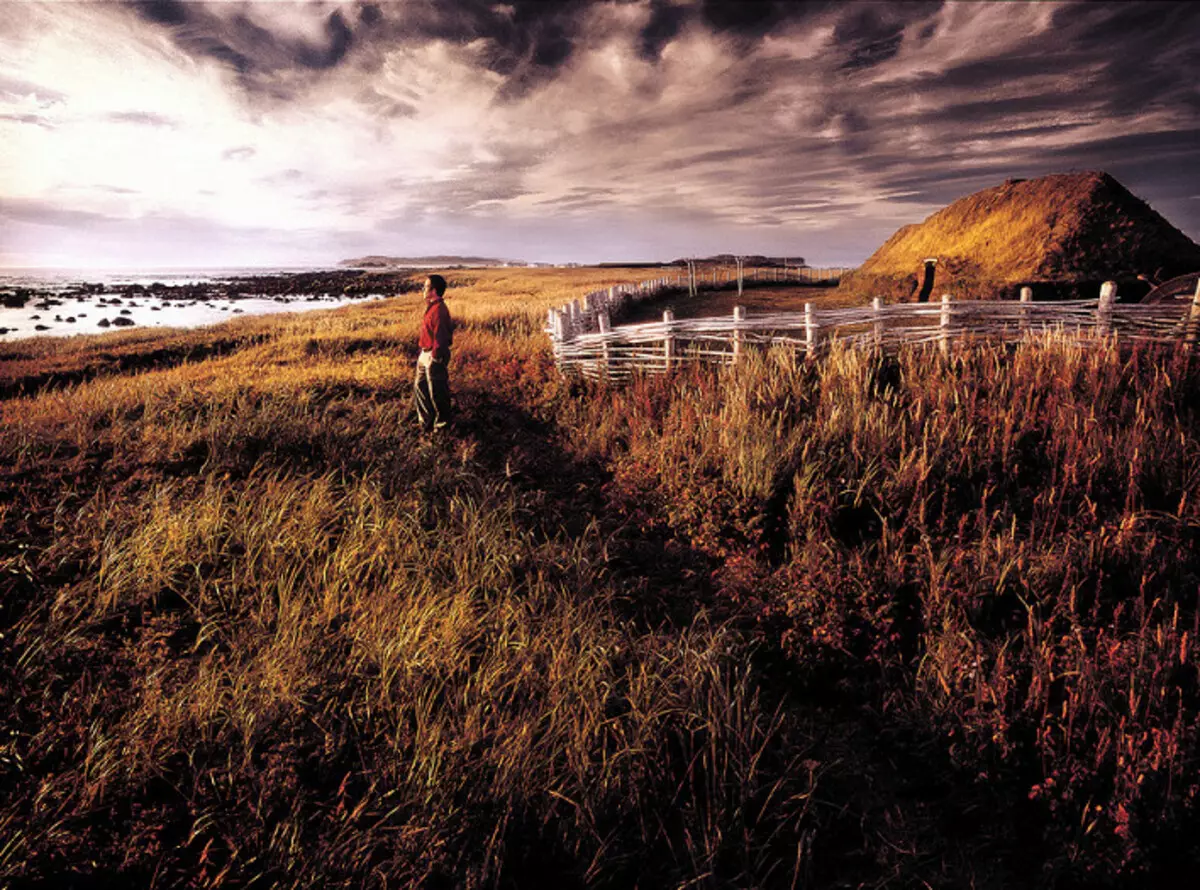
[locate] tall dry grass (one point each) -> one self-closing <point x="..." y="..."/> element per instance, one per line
<point x="257" y="630"/>
<point x="995" y="555"/>
<point x="789" y="624"/>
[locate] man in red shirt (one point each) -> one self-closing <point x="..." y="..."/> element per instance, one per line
<point x="432" y="386"/>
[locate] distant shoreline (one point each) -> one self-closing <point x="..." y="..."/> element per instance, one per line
<point x="427" y="262"/>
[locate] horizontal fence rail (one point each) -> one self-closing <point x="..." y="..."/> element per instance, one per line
<point x="616" y="352"/>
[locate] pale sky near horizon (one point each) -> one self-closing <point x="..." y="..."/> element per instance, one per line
<point x="301" y="133"/>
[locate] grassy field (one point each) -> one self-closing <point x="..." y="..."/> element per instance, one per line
<point x="756" y="298"/>
<point x="863" y="622"/>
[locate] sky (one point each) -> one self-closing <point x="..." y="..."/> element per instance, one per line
<point x="228" y="133"/>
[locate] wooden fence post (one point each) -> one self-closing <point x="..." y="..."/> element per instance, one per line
<point x="739" y="315"/>
<point x="562" y="333"/>
<point x="810" y="329"/>
<point x="877" y="326"/>
<point x="944" y="339"/>
<point x="669" y="338"/>
<point x="1193" y="324"/>
<point x="741" y="272"/>
<point x="1026" y="299"/>
<point x="1108" y="296"/>
<point x="605" y="324"/>
<point x="558" y="329"/>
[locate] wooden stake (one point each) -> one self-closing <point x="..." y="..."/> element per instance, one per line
<point x="945" y="325"/>
<point x="1193" y="325"/>
<point x="669" y="339"/>
<point x="1026" y="299"/>
<point x="877" y="327"/>
<point x="1108" y="296"/>
<point x="605" y="327"/>
<point x="574" y="318"/>
<point x="739" y="315"/>
<point x="810" y="328"/>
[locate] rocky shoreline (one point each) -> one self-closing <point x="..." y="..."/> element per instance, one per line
<point x="76" y="304"/>
<point x="296" y="285"/>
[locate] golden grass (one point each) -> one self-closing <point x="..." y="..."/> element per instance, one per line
<point x="920" y="620"/>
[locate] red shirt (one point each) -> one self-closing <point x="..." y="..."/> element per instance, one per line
<point x="437" y="330"/>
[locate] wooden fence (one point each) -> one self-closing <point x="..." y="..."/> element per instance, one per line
<point x="583" y="316"/>
<point x="585" y="341"/>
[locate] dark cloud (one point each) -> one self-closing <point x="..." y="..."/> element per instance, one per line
<point x="162" y="12"/>
<point x="756" y="18"/>
<point x="239" y="153"/>
<point x="1098" y="26"/>
<point x="255" y="52"/>
<point x="970" y="113"/>
<point x="1153" y="147"/>
<point x="527" y="41"/>
<point x="340" y="39"/>
<point x="871" y="33"/>
<point x="1139" y="50"/>
<point x="666" y="21"/>
<point x="937" y="184"/>
<point x="370" y="14"/>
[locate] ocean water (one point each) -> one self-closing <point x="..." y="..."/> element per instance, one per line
<point x="83" y="313"/>
<point x="174" y="275"/>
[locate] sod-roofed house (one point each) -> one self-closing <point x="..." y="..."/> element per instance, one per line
<point x="1062" y="235"/>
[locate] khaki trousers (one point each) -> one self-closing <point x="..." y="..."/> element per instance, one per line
<point x="431" y="389"/>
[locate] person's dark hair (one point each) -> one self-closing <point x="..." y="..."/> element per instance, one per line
<point x="439" y="284"/>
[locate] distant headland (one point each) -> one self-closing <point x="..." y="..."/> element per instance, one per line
<point x="389" y="262"/>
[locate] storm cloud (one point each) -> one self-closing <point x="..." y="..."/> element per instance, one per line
<point x="577" y="129"/>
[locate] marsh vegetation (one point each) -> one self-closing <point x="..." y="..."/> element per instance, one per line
<point x="912" y="621"/>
